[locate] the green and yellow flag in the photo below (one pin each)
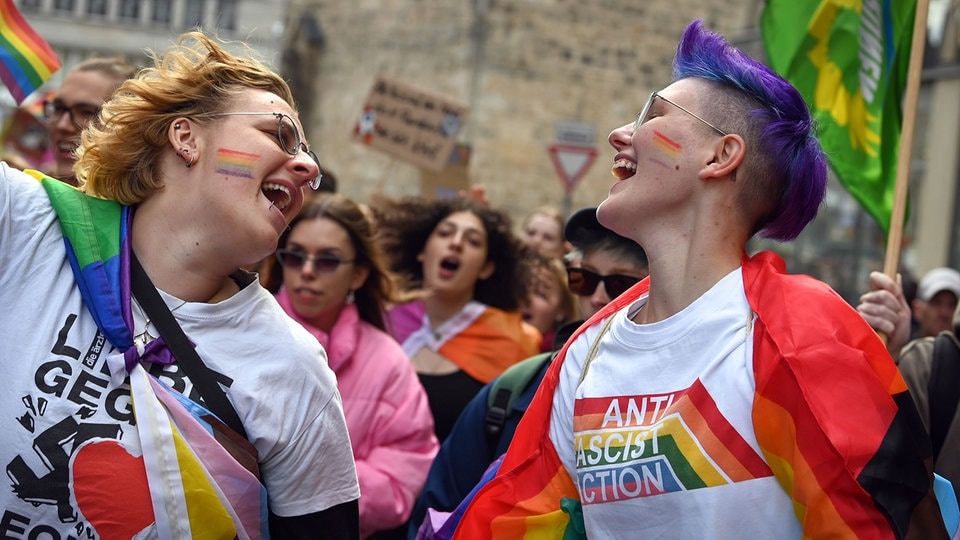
(849, 60)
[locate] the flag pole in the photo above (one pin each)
(895, 236)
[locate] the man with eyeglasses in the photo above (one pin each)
(78, 100)
(603, 266)
(721, 397)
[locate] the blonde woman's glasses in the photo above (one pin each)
(288, 137)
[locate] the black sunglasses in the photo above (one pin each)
(584, 282)
(322, 264)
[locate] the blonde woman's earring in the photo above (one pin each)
(184, 153)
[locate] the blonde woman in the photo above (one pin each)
(542, 230)
(192, 171)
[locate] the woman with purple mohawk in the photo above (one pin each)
(720, 397)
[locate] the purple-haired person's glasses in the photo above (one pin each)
(642, 115)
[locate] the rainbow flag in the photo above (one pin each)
(97, 255)
(531, 497)
(197, 487)
(26, 60)
(849, 61)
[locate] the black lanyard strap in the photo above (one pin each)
(204, 378)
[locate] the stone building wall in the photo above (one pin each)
(521, 66)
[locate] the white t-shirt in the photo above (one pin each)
(659, 437)
(57, 392)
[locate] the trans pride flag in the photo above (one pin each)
(832, 415)
(197, 489)
(26, 60)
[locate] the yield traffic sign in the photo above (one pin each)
(571, 161)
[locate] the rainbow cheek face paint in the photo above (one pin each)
(667, 148)
(235, 163)
(666, 145)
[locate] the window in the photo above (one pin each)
(65, 6)
(193, 15)
(97, 8)
(162, 10)
(129, 10)
(227, 14)
(30, 6)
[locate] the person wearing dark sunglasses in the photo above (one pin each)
(136, 352)
(603, 265)
(335, 283)
(584, 282)
(76, 103)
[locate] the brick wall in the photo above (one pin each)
(520, 65)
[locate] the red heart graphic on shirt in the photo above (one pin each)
(110, 486)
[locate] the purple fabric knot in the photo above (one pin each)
(155, 352)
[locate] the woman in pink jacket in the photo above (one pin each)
(335, 284)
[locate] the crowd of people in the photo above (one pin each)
(227, 346)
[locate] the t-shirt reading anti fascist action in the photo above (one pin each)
(71, 448)
(672, 439)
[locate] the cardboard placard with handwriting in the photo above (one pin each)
(410, 124)
(453, 179)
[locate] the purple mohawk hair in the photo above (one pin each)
(788, 130)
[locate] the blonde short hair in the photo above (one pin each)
(120, 153)
(113, 67)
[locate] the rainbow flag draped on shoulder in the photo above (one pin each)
(849, 61)
(26, 60)
(197, 488)
(864, 473)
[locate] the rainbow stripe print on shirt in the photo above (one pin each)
(641, 446)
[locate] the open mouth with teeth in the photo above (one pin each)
(623, 169)
(65, 150)
(68, 147)
(450, 264)
(277, 194)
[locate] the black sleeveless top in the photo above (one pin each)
(448, 396)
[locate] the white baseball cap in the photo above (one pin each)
(936, 280)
